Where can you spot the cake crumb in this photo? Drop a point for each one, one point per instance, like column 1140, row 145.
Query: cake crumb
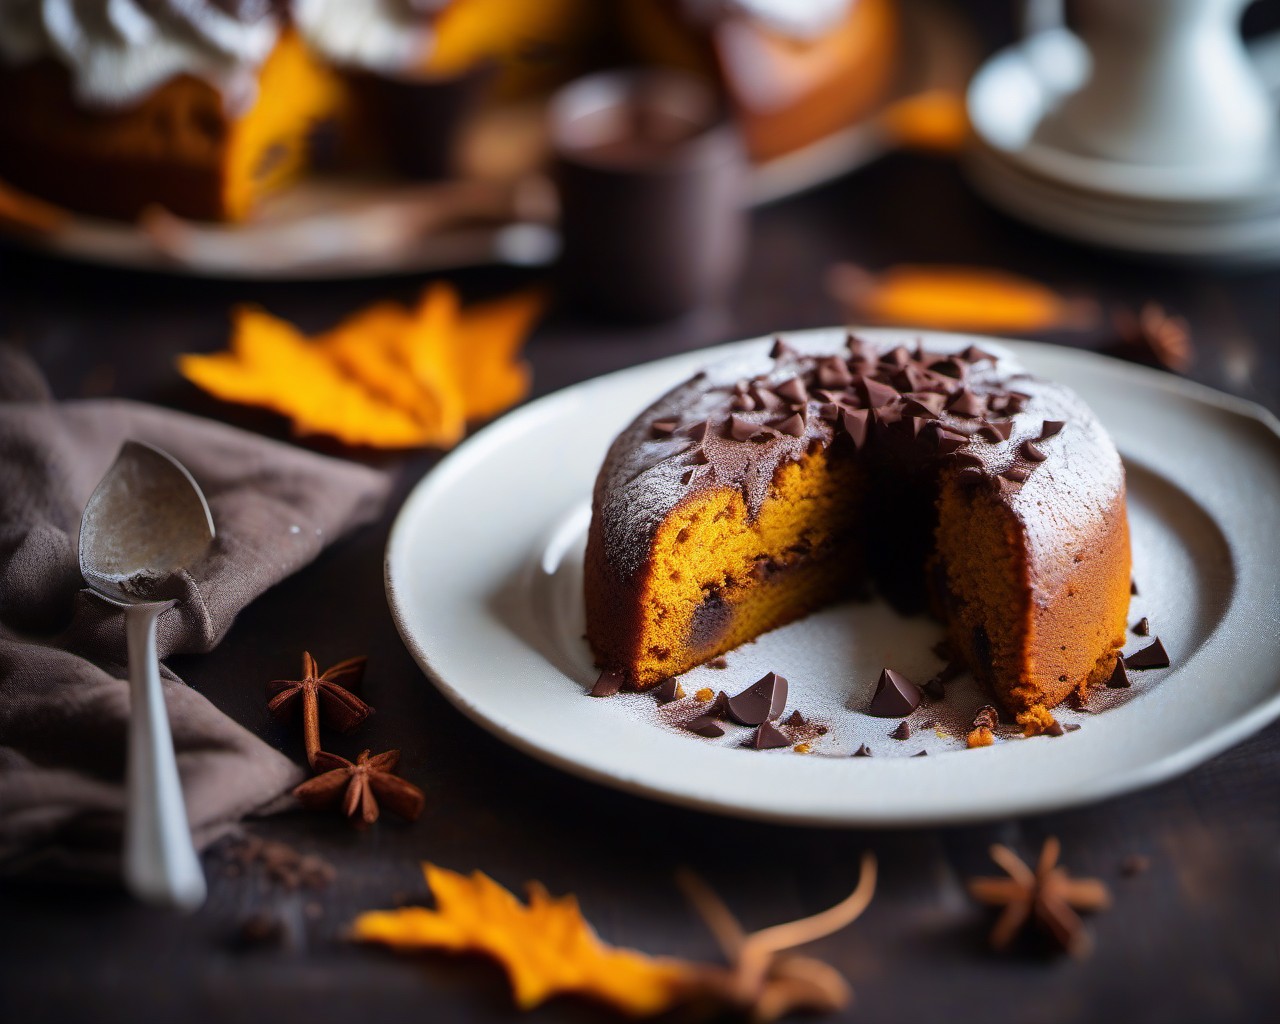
column 1036, row 720
column 705, row 694
column 980, row 737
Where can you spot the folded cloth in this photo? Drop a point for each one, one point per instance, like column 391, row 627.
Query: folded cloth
column 63, row 667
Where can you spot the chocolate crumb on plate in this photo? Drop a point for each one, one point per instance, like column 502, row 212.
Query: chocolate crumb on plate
column 862, row 751
column 763, row 700
column 1071, row 726
column 796, row 719
column 1133, row 587
column 902, row 732
column 705, row 725
column 1152, row 656
column 896, row 696
column 718, row 663
column 1142, row 627
column 768, row 737
column 921, row 753
column 1119, row 678
column 607, row 685
column 667, row 691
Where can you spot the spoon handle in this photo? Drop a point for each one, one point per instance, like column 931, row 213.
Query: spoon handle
column 160, row 862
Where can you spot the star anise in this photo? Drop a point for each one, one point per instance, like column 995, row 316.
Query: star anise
column 359, row 786
column 328, row 693
column 1047, row 896
column 1153, row 337
column 764, row 979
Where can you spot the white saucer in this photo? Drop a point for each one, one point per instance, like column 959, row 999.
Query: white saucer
column 1014, row 161
column 484, row 581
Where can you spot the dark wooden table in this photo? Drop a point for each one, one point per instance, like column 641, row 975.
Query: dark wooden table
column 1194, row 938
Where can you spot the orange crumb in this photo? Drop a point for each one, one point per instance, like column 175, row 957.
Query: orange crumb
column 705, row 694
column 802, row 748
column 980, row 737
column 1036, row 720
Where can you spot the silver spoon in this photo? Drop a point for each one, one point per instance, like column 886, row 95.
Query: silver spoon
column 146, row 521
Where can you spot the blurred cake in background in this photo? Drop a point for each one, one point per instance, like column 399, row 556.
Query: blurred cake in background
column 795, row 71
column 195, row 105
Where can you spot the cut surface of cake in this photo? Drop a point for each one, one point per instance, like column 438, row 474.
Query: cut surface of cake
column 766, row 488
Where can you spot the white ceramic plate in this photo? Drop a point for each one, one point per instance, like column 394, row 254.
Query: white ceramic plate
column 484, row 581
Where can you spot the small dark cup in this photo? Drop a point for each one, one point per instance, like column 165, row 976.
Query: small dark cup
column 651, row 177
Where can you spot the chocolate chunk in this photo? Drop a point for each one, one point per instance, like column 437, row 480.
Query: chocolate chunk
column 968, row 460
column 948, row 368
column 1031, row 451
column 1133, row 588
column 663, row 428
column 877, row 395
column 910, row 425
column 705, row 725
column 763, row 700
column 1016, row 474
column 935, row 687
column 862, row 751
column 720, row 662
column 796, row 719
column 1072, row 727
column 793, row 391
column 699, row 431
column 1142, row 627
column 781, row 350
column 896, row 696
column 1152, row 656
column 1050, row 428
column 903, row 732
column 922, row 403
column 833, row 372
column 793, row 425
column 998, row 431
column 608, row 684
column 967, row 404
column 948, row 442
column 667, row 691
column 741, row 429
column 988, row 717
column 898, row 356
column 768, row 401
column 1055, row 729
column 922, row 753
column 719, row 706
column 856, row 424
column 743, row 403
column 1119, row 678
column 768, row 737
column 973, row 354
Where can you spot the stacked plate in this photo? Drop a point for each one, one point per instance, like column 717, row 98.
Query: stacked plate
column 1016, row 163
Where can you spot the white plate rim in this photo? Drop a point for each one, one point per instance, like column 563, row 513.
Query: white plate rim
column 1210, row 744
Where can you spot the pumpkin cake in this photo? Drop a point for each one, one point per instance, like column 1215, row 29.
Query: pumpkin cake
column 764, row 489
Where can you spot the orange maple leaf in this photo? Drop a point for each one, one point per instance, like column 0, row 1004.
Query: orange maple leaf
column 545, row 946
column 387, row 376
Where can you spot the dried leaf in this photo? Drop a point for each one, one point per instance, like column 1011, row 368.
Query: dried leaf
column 546, row 946
column 955, row 298
column 387, row 377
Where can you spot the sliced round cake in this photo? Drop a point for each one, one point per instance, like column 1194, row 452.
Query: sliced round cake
column 765, row 488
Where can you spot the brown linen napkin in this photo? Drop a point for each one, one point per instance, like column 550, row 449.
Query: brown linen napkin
column 63, row 672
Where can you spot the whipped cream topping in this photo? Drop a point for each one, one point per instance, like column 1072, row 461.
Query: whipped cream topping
column 388, row 36
column 118, row 51
column 796, row 19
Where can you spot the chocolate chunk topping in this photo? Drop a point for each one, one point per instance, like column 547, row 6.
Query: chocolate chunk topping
column 1031, row 451
column 896, row 696
column 1152, row 656
column 742, row 429
column 699, row 431
column 796, row 719
column 948, row 368
column 743, row 403
column 998, row 431
column 768, row 401
column 1142, row 627
column 763, row 700
column 1119, row 678
column 829, row 411
column 664, row 428
column 903, row 732
column 608, row 684
column 948, row 442
column 667, row 691
column 862, row 751
column 781, row 350
column 833, row 372
column 898, row 356
column 1016, row 474
column 793, row 391
column 967, row 403
column 1050, row 428
column 705, row 725
column 973, row 354
column 877, row 395
column 769, row 737
column 856, row 423
column 793, row 425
